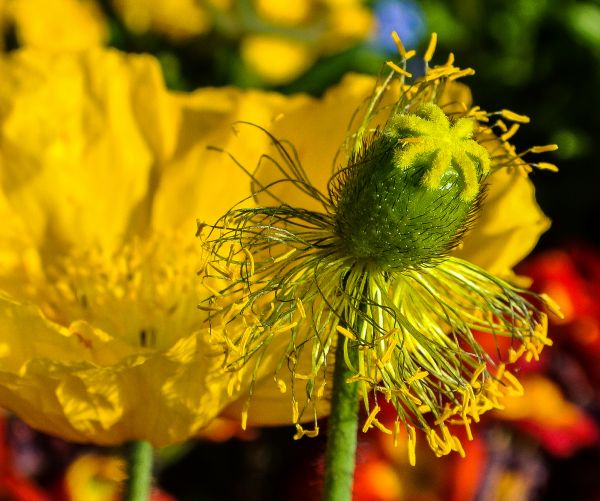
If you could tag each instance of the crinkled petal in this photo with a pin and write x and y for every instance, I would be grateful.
(68, 122)
(92, 389)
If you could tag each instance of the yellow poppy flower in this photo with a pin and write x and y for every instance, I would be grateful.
(102, 174)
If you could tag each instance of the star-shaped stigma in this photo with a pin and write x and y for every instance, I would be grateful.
(428, 134)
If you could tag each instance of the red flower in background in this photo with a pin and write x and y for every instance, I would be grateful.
(572, 278)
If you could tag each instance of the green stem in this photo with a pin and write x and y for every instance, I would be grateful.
(340, 456)
(139, 471)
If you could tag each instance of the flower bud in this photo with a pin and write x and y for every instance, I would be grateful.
(409, 195)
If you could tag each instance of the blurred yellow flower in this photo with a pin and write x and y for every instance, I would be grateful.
(350, 21)
(298, 33)
(93, 477)
(276, 59)
(102, 173)
(58, 25)
(178, 19)
(284, 13)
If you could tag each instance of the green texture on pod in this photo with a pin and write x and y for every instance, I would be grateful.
(409, 195)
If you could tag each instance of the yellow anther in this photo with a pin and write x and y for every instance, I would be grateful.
(517, 386)
(417, 376)
(283, 257)
(397, 69)
(410, 54)
(510, 133)
(462, 73)
(501, 125)
(345, 332)
(295, 412)
(457, 446)
(399, 44)
(467, 424)
(244, 420)
(281, 385)
(439, 72)
(445, 415)
(450, 60)
(474, 411)
(304, 377)
(381, 427)
(514, 355)
(544, 149)
(389, 351)
(284, 328)
(500, 373)
(300, 307)
(546, 166)
(370, 418)
(477, 373)
(301, 432)
(321, 390)
(412, 397)
(430, 48)
(515, 117)
(250, 259)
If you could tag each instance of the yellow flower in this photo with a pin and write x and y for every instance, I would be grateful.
(284, 13)
(292, 36)
(102, 173)
(275, 58)
(92, 477)
(368, 254)
(178, 19)
(59, 25)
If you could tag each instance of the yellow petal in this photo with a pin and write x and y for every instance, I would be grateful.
(68, 121)
(102, 341)
(93, 389)
(508, 226)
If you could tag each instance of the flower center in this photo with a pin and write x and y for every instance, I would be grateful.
(144, 293)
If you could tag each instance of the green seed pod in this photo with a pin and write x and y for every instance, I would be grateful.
(408, 196)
